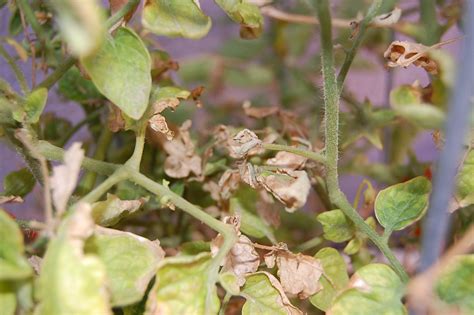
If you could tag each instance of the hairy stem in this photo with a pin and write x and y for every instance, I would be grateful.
(331, 100)
(16, 70)
(317, 157)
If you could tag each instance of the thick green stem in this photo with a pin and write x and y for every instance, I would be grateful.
(363, 25)
(305, 153)
(118, 176)
(16, 70)
(331, 98)
(135, 159)
(70, 61)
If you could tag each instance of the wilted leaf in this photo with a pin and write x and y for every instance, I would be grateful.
(175, 18)
(456, 285)
(336, 226)
(244, 141)
(181, 287)
(290, 187)
(242, 259)
(259, 112)
(246, 14)
(299, 274)
(336, 270)
(81, 24)
(116, 5)
(18, 183)
(34, 104)
(265, 296)
(64, 178)
(403, 54)
(130, 262)
(288, 160)
(387, 19)
(182, 159)
(373, 289)
(109, 212)
(13, 265)
(120, 70)
(400, 205)
(72, 282)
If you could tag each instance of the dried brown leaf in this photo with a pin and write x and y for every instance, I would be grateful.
(64, 178)
(244, 141)
(259, 112)
(287, 160)
(388, 19)
(115, 119)
(158, 123)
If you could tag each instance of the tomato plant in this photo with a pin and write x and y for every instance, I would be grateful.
(211, 184)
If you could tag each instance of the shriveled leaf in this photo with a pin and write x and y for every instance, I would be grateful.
(336, 226)
(290, 187)
(299, 274)
(246, 14)
(72, 282)
(120, 70)
(109, 212)
(336, 270)
(64, 178)
(388, 19)
(244, 141)
(13, 264)
(400, 205)
(18, 183)
(181, 287)
(182, 159)
(130, 262)
(373, 289)
(456, 285)
(7, 298)
(81, 24)
(403, 54)
(176, 18)
(116, 5)
(34, 104)
(265, 296)
(288, 160)
(259, 112)
(242, 259)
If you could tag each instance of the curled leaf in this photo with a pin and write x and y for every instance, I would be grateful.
(288, 160)
(403, 54)
(388, 19)
(64, 178)
(112, 210)
(244, 141)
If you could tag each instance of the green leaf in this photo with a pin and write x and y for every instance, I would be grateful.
(120, 70)
(81, 24)
(75, 87)
(246, 14)
(400, 205)
(456, 285)
(112, 210)
(130, 262)
(230, 282)
(33, 106)
(375, 289)
(195, 247)
(72, 282)
(18, 183)
(265, 296)
(7, 298)
(182, 18)
(466, 177)
(336, 270)
(13, 265)
(181, 287)
(336, 226)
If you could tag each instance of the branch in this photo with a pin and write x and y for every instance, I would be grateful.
(317, 157)
(299, 18)
(331, 102)
(16, 70)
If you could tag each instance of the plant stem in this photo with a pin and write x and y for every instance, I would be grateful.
(16, 70)
(70, 61)
(305, 153)
(331, 100)
(135, 159)
(430, 22)
(363, 25)
(31, 19)
(118, 176)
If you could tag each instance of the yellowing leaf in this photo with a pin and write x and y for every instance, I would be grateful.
(182, 18)
(246, 14)
(181, 287)
(336, 226)
(120, 69)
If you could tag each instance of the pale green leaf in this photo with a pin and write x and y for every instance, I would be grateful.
(373, 289)
(33, 106)
(336, 270)
(336, 226)
(456, 283)
(265, 296)
(7, 298)
(13, 265)
(400, 205)
(72, 282)
(130, 262)
(230, 282)
(246, 14)
(182, 18)
(422, 115)
(109, 212)
(81, 24)
(466, 177)
(120, 70)
(181, 287)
